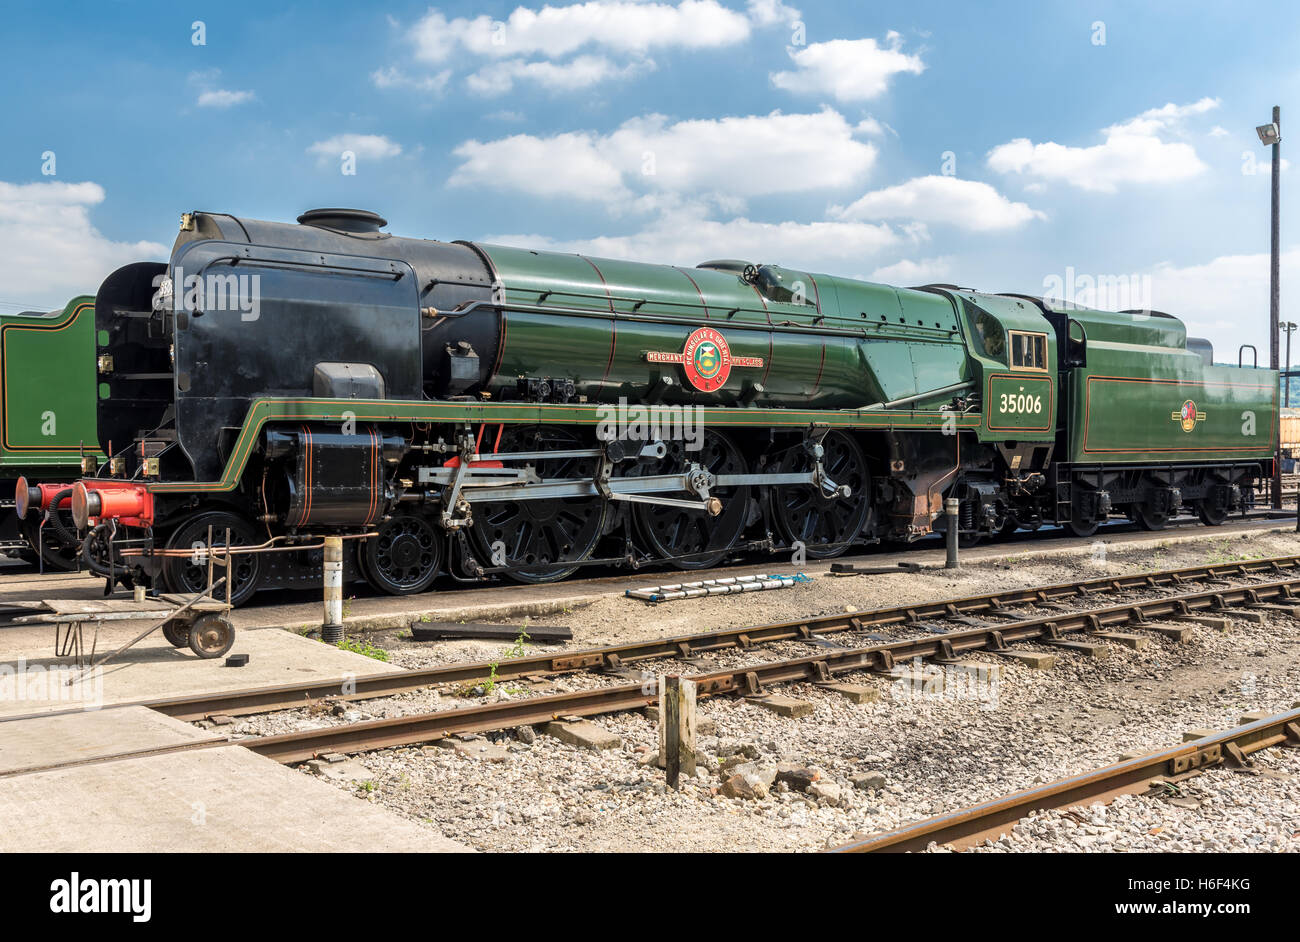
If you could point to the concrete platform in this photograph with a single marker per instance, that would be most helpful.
(32, 680)
(86, 736)
(207, 799)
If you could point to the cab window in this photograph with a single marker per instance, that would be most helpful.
(1028, 351)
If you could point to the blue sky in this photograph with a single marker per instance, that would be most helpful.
(997, 145)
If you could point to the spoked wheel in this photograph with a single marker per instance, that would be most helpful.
(1211, 514)
(211, 636)
(177, 633)
(825, 525)
(1150, 519)
(677, 531)
(405, 557)
(188, 575)
(55, 552)
(535, 535)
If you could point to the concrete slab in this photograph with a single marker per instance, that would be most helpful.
(1086, 648)
(1034, 660)
(218, 800)
(854, 693)
(1206, 621)
(785, 706)
(1136, 642)
(1173, 632)
(1193, 734)
(32, 679)
(582, 733)
(84, 736)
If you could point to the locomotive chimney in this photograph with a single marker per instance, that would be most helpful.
(345, 220)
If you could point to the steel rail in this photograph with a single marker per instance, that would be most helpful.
(619, 656)
(750, 680)
(989, 819)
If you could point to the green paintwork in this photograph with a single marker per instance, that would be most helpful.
(269, 411)
(1019, 405)
(846, 344)
(1127, 406)
(47, 397)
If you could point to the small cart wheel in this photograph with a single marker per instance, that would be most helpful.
(177, 632)
(211, 636)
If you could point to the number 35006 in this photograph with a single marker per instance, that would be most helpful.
(1024, 403)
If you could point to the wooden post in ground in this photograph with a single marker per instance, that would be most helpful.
(677, 726)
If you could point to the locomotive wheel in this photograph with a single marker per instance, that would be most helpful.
(55, 552)
(675, 531)
(182, 576)
(405, 557)
(211, 636)
(177, 633)
(541, 533)
(825, 525)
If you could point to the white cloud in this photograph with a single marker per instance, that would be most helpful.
(365, 146)
(772, 13)
(554, 32)
(223, 98)
(687, 237)
(968, 204)
(580, 72)
(564, 165)
(1136, 151)
(49, 249)
(1217, 131)
(906, 271)
(1224, 299)
(848, 69)
(733, 158)
(393, 77)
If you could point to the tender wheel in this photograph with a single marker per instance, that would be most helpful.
(675, 531)
(1212, 515)
(184, 576)
(405, 557)
(55, 552)
(825, 525)
(536, 534)
(1082, 527)
(211, 636)
(1149, 519)
(178, 633)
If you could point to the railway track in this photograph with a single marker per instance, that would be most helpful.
(612, 659)
(1063, 629)
(947, 629)
(988, 820)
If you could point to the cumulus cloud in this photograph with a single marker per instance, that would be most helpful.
(848, 69)
(1136, 151)
(687, 236)
(365, 146)
(393, 77)
(772, 13)
(582, 71)
(1224, 299)
(733, 157)
(968, 204)
(557, 31)
(223, 98)
(908, 271)
(49, 249)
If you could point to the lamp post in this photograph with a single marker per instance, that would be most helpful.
(1270, 135)
(1289, 327)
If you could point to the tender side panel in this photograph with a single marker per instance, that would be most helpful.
(47, 394)
(1131, 407)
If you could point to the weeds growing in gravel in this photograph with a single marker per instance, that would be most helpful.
(364, 648)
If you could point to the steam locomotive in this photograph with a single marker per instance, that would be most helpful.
(474, 410)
